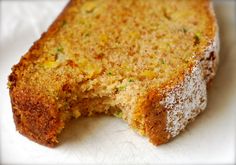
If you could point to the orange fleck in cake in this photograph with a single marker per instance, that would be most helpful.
(146, 61)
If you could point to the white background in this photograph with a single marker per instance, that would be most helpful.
(210, 139)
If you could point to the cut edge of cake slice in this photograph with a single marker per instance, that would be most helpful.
(160, 113)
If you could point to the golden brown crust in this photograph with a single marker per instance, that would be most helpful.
(155, 119)
(36, 115)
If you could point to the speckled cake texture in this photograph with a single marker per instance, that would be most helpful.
(147, 62)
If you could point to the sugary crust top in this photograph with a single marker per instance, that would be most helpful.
(179, 102)
(189, 98)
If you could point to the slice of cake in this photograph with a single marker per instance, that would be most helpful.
(145, 61)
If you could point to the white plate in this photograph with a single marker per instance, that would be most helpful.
(210, 139)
